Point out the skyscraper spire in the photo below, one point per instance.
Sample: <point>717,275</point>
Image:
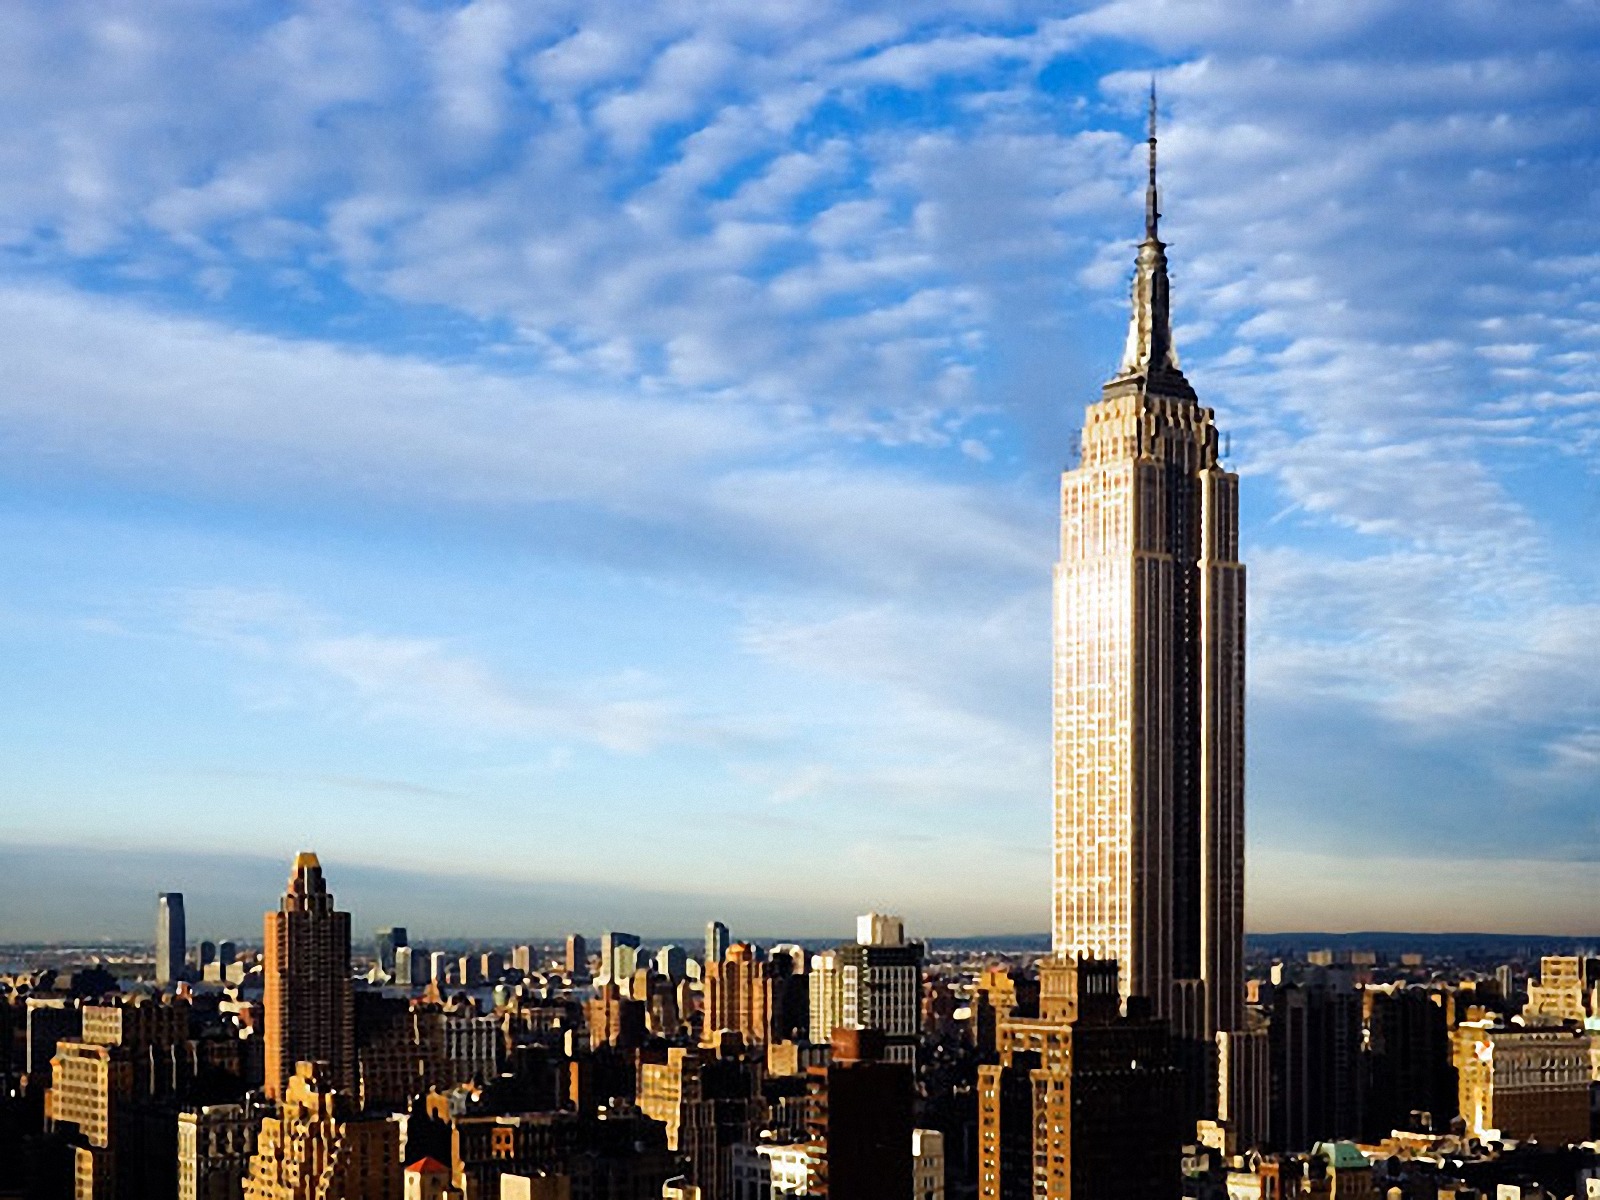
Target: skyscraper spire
<point>1152,211</point>
<point>1149,347</point>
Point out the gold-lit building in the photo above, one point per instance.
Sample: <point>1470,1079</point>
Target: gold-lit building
<point>1083,1100</point>
<point>1527,1083</point>
<point>307,997</point>
<point>1149,684</point>
<point>738,997</point>
<point>317,1149</point>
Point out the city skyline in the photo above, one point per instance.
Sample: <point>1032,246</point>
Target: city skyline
<point>508,469</point>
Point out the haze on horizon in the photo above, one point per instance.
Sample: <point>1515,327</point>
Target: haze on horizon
<point>580,466</point>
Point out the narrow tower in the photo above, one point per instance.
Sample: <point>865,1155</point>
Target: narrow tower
<point>172,938</point>
<point>1149,682</point>
<point>307,998</point>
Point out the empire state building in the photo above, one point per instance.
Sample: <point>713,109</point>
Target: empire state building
<point>1149,683</point>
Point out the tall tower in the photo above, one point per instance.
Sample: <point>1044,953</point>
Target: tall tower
<point>1149,682</point>
<point>172,938</point>
<point>307,996</point>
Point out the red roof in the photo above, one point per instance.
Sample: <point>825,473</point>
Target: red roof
<point>428,1166</point>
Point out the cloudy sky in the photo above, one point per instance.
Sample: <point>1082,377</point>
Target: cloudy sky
<point>595,463</point>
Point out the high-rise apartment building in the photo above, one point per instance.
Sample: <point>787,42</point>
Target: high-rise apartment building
<point>709,1104</point>
<point>1082,1104</point>
<point>1411,1081</point>
<point>316,1148</point>
<point>171,938</point>
<point>1315,1055</point>
<point>1149,683</point>
<point>672,962</point>
<point>307,1000</point>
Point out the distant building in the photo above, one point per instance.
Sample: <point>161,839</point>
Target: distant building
<point>739,997</point>
<point>405,967</point>
<point>208,955</point>
<point>717,943</point>
<point>171,938</point>
<point>619,953</point>
<point>439,967</point>
<point>826,996</point>
<point>1529,1083</point>
<point>577,962</point>
<point>881,985</point>
<point>317,1148</point>
<point>523,960</point>
<point>1559,994</point>
<point>307,1001</point>
<point>672,962</point>
<point>1083,1104</point>
<point>387,942</point>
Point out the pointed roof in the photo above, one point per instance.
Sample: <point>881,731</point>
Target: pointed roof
<point>428,1166</point>
<point>1149,350</point>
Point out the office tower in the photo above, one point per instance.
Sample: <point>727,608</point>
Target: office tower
<point>786,968</point>
<point>317,1149</point>
<point>614,1019</point>
<point>774,1170</point>
<point>469,970</point>
<point>859,1121</point>
<point>881,985</point>
<point>215,1143</point>
<point>738,998</point>
<point>171,943</point>
<point>717,943</point>
<point>672,962</point>
<point>927,1164</point>
<point>577,963</point>
<point>405,967</point>
<point>523,960</point>
<point>618,957</point>
<point>227,955</point>
<point>386,943</point>
<point>1559,994</point>
<point>1149,683</point>
<point>826,996</point>
<point>709,1104</point>
<point>1315,1051</point>
<point>1083,1102</point>
<point>208,955</point>
<point>438,967</point>
<point>491,965</point>
<point>307,1004</point>
<point>1411,1079</point>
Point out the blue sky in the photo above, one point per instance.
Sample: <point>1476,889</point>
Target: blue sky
<point>533,452</point>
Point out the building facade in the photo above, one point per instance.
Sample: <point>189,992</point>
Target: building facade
<point>171,938</point>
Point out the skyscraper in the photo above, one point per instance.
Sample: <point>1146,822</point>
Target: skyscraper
<point>1149,683</point>
<point>307,999</point>
<point>386,942</point>
<point>717,943</point>
<point>171,937</point>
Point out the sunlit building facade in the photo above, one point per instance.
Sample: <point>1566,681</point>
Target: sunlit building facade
<point>1149,684</point>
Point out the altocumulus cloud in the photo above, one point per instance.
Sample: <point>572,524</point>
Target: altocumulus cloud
<point>777,321</point>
